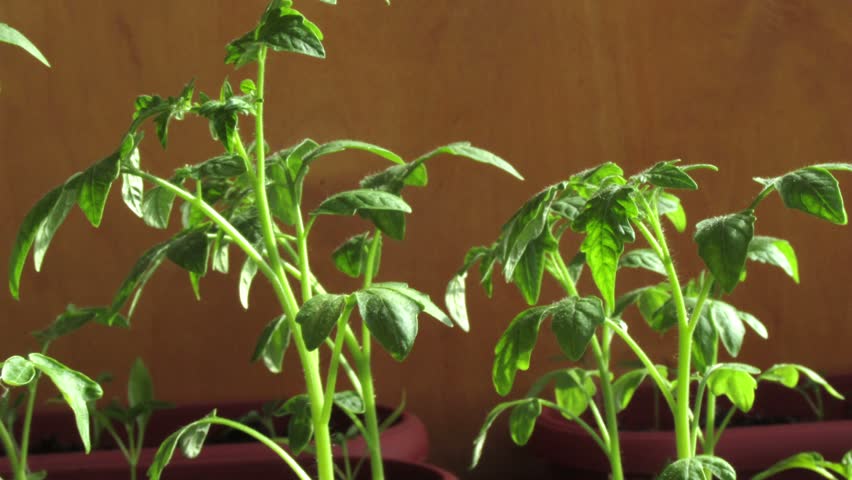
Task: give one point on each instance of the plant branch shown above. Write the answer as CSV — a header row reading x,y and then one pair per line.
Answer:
x,y
662,384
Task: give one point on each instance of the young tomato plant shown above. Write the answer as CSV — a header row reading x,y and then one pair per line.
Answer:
x,y
251,197
608,208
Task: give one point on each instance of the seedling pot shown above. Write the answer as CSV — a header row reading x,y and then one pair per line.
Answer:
x,y
749,448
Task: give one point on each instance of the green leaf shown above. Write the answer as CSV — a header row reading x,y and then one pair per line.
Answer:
x,y
17,371
318,316
26,235
606,221
455,300
514,349
139,275
667,175
223,166
735,381
300,428
811,461
220,261
529,271
589,181
162,110
96,181
281,28
479,441
247,274
753,323
77,390
729,325
625,386
157,207
190,250
465,149
74,318
723,245
272,344
787,374
670,206
391,318
190,438
574,390
13,37
574,323
349,401
813,190
132,186
351,257
643,258
522,421
54,218
426,304
693,468
354,201
140,391
774,251
392,223
525,226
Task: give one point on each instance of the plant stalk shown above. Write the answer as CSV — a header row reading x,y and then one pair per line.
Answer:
x,y
9,447
614,453
32,389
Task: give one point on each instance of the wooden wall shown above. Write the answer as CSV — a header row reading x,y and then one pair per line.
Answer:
x,y
756,87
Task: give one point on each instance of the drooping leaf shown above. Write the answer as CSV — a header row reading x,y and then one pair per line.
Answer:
x,y
13,37
811,461
734,380
693,468
190,438
815,191
95,186
318,316
132,186
157,207
300,427
606,221
55,216
625,386
426,304
574,323
391,318
281,28
787,374
670,206
643,258
73,318
573,390
77,390
756,325
455,301
26,235
774,251
162,110
514,349
522,421
479,441
363,201
465,149
529,270
17,371
247,274
272,344
140,391
587,182
220,261
190,250
349,401
137,278
729,325
351,256
723,245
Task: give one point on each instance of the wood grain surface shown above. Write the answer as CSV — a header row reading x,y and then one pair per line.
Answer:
x,y
757,87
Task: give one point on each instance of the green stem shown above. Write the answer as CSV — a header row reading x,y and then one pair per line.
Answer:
x,y
682,417
9,447
302,242
289,460
32,389
336,355
115,436
366,375
722,426
662,384
591,431
309,360
708,446
609,408
241,150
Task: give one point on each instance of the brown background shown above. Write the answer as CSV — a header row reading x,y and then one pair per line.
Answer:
x,y
755,87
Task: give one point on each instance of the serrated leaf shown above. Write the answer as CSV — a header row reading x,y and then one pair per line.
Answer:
x,y
318,316
376,206
774,251
723,245
281,29
643,258
17,371
574,323
815,191
74,318
272,344
525,226
77,390
522,421
247,274
391,318
162,110
667,175
514,349
693,468
190,437
14,37
157,206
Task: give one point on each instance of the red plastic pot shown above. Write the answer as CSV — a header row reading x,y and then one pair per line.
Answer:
x,y
750,449
407,441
